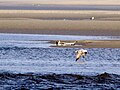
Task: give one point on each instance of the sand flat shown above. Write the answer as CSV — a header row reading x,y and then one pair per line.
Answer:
x,y
92,44
60,22
102,44
60,27
61,11
59,14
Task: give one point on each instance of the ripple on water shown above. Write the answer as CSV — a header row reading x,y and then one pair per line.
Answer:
x,y
28,81
59,60
31,64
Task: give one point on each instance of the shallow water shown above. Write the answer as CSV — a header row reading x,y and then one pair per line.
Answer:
x,y
58,60
60,7
56,68
30,53
38,37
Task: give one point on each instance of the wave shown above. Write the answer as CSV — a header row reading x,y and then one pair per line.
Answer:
x,y
52,81
59,60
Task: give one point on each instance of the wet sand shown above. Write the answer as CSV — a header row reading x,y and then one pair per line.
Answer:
x,y
69,22
59,60
91,44
65,22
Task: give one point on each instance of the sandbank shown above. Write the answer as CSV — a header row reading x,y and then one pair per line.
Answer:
x,y
92,44
65,22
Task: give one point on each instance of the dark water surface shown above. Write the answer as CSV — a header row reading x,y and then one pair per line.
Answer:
x,y
60,7
30,81
56,68
26,62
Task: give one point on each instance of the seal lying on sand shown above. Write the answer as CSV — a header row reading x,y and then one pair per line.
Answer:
x,y
59,43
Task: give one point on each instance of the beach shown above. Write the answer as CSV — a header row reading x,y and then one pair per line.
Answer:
x,y
30,57
60,22
65,22
91,44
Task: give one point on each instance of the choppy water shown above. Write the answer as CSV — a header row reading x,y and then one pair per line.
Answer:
x,y
42,67
58,60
